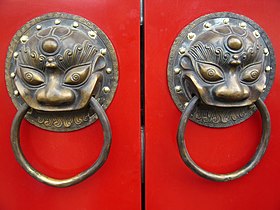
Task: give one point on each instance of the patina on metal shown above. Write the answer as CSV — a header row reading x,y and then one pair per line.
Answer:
x,y
266,129
221,68
227,61
61,73
15,140
55,64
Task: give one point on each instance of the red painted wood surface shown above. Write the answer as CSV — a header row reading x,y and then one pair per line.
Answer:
x,y
117,184
169,183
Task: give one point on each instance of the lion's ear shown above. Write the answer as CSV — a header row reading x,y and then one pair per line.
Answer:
x,y
186,62
99,63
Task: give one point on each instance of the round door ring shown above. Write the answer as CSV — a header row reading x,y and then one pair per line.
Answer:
x,y
266,128
221,68
15,140
61,74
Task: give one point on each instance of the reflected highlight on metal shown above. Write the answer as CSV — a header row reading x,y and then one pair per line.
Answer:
x,y
266,128
221,68
15,140
61,73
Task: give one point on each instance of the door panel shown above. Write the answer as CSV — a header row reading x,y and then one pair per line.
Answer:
x,y
169,183
116,185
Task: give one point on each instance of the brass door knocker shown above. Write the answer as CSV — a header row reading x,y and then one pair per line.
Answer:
x,y
61,73
221,68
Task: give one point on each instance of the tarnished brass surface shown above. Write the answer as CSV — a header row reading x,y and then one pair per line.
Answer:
x,y
227,61
55,64
15,140
266,129
221,68
61,73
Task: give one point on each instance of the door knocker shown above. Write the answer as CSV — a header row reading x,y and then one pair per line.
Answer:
x,y
221,68
61,73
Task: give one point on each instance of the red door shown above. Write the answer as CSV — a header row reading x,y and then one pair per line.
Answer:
x,y
116,185
169,183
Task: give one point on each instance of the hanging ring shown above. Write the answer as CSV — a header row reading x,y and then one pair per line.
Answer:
x,y
15,140
266,129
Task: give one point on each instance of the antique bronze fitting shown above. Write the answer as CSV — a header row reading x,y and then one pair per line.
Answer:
x,y
61,73
221,68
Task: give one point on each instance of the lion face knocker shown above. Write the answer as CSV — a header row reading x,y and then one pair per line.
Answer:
x,y
56,66
225,67
221,68
61,73
228,62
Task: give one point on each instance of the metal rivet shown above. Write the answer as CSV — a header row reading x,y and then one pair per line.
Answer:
x,y
57,22
38,27
103,51
182,50
92,34
186,104
75,24
267,69
106,89
178,89
191,36
24,39
16,93
207,25
177,70
243,25
256,33
265,51
15,54
13,75
108,70
226,21
264,87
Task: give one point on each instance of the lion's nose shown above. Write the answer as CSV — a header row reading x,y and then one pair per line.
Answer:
x,y
231,91
53,94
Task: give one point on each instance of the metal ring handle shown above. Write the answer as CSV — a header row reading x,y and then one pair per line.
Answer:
x,y
15,140
266,128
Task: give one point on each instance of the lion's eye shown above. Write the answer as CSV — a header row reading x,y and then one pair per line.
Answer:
x,y
251,73
210,72
77,75
31,76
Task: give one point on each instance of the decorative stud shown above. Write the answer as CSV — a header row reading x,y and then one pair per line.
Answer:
x,y
186,104
103,51
108,70
15,55
264,87
207,25
13,75
75,24
92,34
265,51
226,21
243,25
57,22
177,70
106,89
182,50
256,33
178,88
38,27
24,39
191,36
267,69
16,93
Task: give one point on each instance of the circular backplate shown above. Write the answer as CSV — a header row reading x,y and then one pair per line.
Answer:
x,y
55,34
210,115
